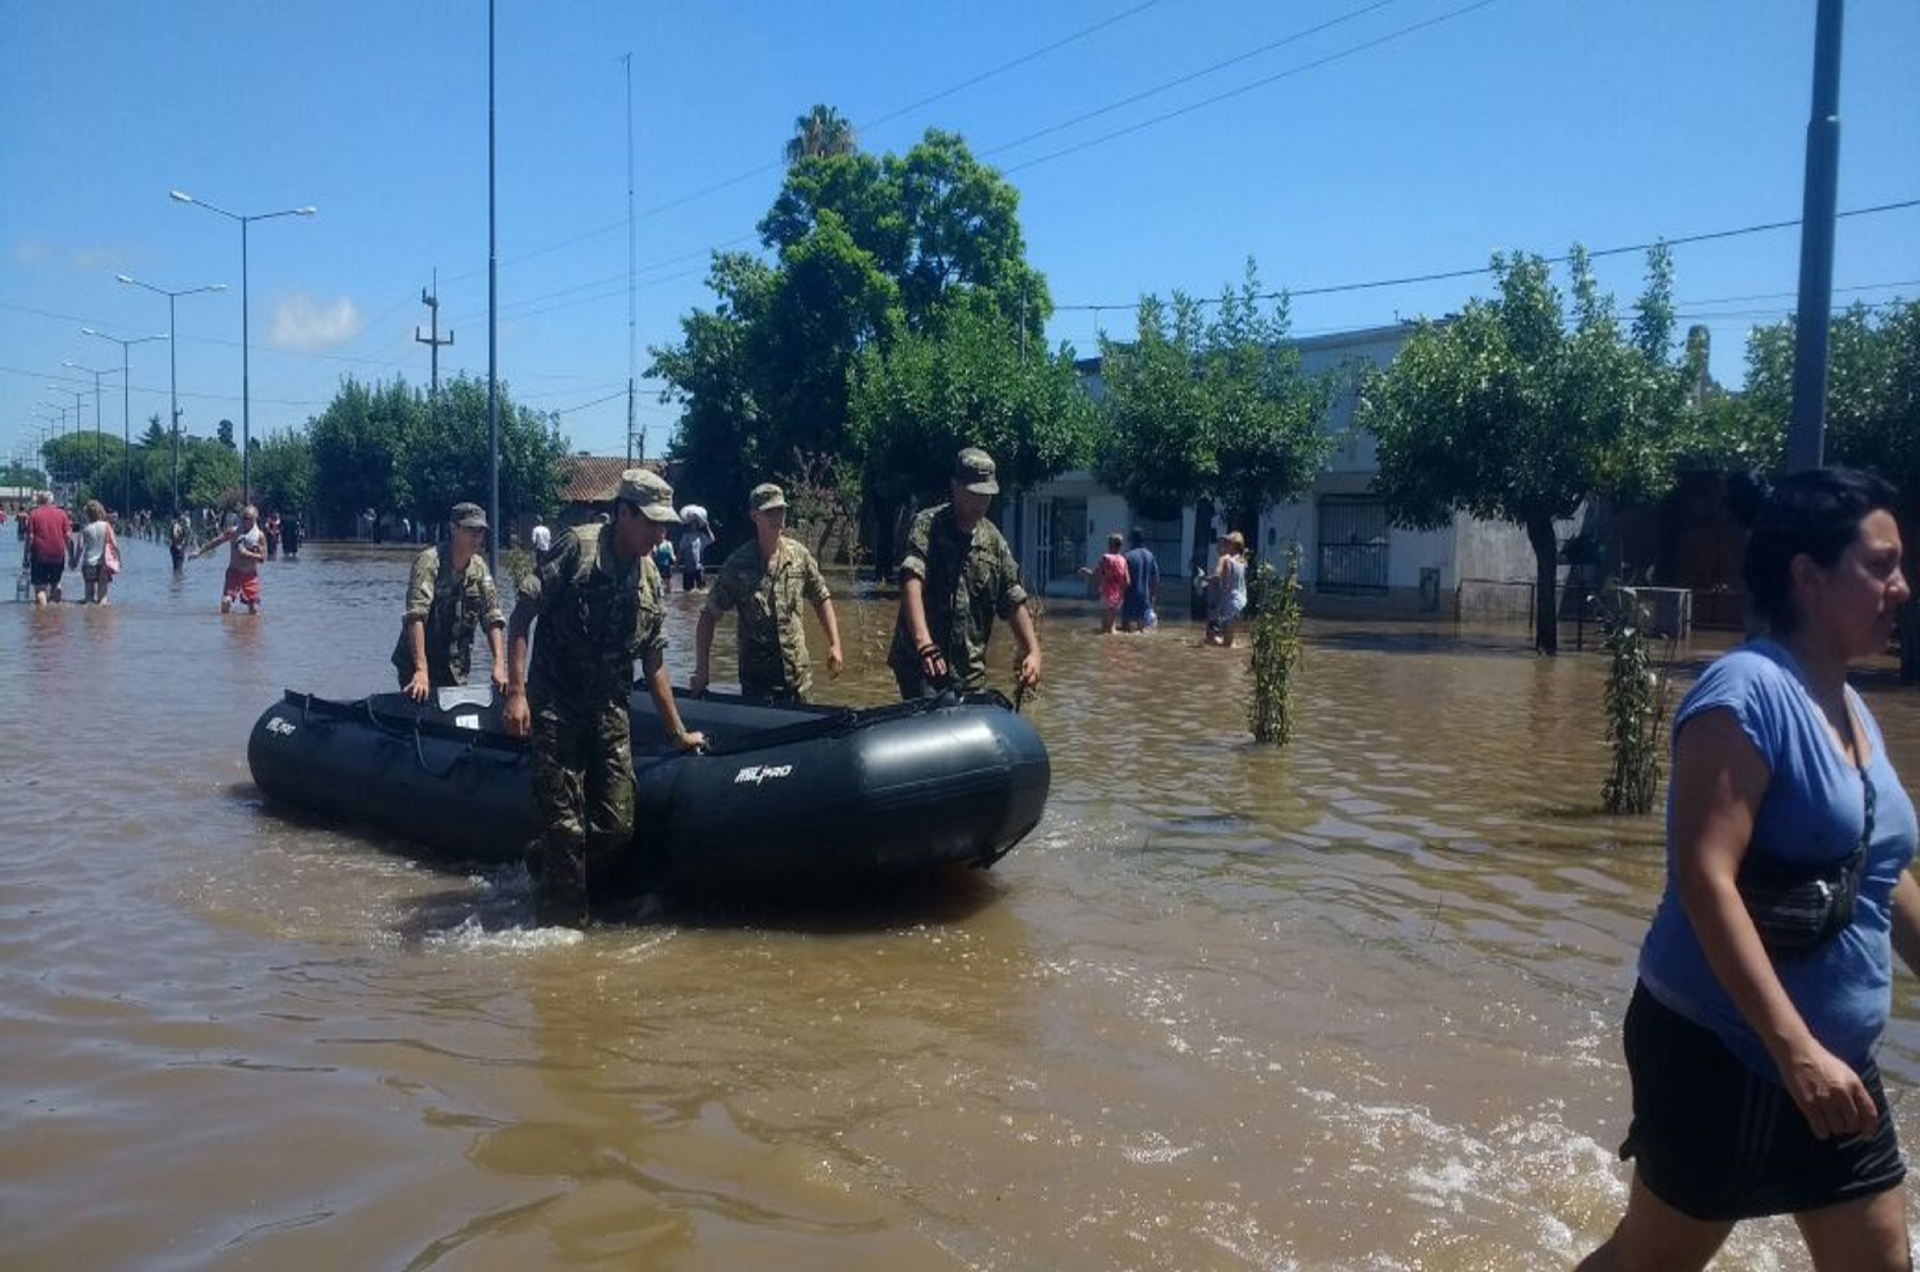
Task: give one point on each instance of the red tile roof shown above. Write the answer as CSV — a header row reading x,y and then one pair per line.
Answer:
x,y
595,478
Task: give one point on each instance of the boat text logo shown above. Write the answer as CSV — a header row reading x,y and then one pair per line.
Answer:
x,y
754,774
277,725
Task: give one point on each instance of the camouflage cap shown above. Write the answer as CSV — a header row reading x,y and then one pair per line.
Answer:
x,y
468,516
973,469
650,491
766,497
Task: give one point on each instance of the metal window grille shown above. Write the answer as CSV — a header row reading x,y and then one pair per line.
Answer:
x,y
1353,545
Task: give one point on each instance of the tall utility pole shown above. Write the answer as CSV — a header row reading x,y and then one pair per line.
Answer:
x,y
432,301
173,365
493,327
636,442
1806,440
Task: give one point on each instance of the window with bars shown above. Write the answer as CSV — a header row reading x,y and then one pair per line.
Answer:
x,y
1353,544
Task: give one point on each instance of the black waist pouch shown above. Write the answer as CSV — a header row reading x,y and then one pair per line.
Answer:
x,y
1798,908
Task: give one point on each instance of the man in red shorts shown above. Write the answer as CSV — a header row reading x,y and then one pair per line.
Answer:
x,y
48,529
249,549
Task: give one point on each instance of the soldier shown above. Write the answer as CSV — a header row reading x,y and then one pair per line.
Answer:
x,y
598,600
450,593
957,574
766,582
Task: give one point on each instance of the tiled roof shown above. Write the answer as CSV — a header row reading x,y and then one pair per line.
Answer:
x,y
595,478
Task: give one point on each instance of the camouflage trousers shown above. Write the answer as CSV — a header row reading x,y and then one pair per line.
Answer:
x,y
583,788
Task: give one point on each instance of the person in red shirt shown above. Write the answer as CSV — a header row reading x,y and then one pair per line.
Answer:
x,y
48,529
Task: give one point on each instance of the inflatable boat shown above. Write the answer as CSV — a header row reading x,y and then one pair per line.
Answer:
x,y
781,793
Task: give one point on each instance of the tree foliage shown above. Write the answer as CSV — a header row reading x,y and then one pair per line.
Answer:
x,y
931,394
1520,409
1218,409
388,449
871,256
821,133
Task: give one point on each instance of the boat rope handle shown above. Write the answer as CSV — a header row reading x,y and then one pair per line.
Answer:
x,y
420,755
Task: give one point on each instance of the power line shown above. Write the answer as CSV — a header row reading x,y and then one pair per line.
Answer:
x,y
1188,78
1445,275
1217,98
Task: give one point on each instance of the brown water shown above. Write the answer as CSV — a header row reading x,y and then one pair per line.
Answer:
x,y
1353,1005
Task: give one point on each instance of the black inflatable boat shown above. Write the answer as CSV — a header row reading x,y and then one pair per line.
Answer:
x,y
782,792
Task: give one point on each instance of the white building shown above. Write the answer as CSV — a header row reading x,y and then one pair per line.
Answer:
x,y
1353,559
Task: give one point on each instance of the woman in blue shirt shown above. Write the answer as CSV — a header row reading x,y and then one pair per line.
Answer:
x,y
1755,1090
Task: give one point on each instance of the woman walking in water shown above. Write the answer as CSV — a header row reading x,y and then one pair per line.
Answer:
x,y
1227,589
1765,980
99,553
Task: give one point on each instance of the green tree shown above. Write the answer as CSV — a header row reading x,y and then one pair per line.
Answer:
x,y
359,450
916,404
1218,411
447,462
1519,411
283,472
821,133
225,434
209,474
866,250
18,474
154,434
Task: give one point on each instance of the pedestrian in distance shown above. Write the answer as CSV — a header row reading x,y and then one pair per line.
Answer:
x,y
450,594
99,554
1138,606
663,564
540,540
694,543
957,574
48,528
1765,978
177,538
769,583
1227,590
1110,575
248,548
597,599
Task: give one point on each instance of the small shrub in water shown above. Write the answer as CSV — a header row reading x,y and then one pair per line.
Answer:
x,y
1276,651
1636,706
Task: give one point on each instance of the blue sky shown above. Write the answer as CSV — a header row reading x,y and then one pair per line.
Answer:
x,y
1430,133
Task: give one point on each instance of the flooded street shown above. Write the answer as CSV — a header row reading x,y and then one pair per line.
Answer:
x,y
1351,1005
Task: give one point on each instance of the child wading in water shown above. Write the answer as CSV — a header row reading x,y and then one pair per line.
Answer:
x,y
1111,574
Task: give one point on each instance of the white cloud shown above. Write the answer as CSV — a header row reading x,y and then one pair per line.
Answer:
x,y
89,259
304,324
31,252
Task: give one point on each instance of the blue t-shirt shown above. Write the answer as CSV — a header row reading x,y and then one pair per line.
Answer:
x,y
1813,810
1143,575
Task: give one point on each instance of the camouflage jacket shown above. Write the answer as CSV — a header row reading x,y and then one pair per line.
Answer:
x,y
965,581
596,620
449,606
770,597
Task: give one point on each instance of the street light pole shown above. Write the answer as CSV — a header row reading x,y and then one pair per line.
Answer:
x,y
97,444
126,412
173,366
246,395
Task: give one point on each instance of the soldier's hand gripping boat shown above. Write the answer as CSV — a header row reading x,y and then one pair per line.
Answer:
x,y
797,793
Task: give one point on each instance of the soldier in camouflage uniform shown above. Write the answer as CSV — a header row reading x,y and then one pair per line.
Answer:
x,y
597,597
956,575
450,593
767,582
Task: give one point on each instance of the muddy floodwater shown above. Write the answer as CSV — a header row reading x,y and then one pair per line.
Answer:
x,y
1351,1005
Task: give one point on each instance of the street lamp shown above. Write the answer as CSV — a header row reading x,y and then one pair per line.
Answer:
x,y
79,395
126,411
97,442
246,403
52,421
173,366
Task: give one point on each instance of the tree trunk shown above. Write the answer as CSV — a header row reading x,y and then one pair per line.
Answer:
x,y
1546,593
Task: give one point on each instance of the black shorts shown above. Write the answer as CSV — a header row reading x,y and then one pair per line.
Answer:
x,y
47,574
1718,1142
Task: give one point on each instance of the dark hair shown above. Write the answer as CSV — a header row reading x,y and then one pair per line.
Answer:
x,y
1817,512
1139,537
